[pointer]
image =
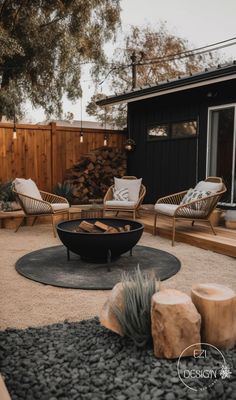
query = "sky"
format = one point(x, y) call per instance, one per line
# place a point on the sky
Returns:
point(201, 22)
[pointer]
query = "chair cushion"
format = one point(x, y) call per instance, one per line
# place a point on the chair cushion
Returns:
point(167, 209)
point(121, 194)
point(27, 187)
point(193, 194)
point(120, 203)
point(209, 186)
point(59, 206)
point(133, 186)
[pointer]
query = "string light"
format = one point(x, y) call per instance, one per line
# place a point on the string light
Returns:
point(105, 140)
point(14, 133)
point(81, 136)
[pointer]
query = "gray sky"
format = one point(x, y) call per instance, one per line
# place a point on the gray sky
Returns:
point(201, 22)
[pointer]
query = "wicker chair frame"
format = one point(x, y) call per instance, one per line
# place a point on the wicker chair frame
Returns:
point(41, 208)
point(133, 209)
point(188, 211)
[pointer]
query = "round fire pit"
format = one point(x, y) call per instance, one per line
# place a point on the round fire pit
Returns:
point(99, 246)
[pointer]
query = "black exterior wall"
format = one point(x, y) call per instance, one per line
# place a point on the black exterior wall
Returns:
point(171, 165)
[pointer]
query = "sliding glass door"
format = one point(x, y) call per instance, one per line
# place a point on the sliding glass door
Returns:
point(221, 148)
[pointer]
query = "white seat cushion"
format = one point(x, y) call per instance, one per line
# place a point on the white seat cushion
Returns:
point(133, 186)
point(209, 186)
point(168, 209)
point(27, 187)
point(59, 206)
point(120, 203)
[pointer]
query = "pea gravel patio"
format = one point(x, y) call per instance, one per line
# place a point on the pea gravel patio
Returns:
point(26, 303)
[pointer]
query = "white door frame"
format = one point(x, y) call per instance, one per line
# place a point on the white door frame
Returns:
point(210, 109)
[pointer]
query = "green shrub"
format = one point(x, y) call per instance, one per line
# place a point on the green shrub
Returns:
point(64, 189)
point(6, 196)
point(135, 317)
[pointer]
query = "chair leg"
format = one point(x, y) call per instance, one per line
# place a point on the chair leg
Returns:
point(154, 225)
point(53, 226)
point(34, 220)
point(213, 230)
point(117, 212)
point(20, 224)
point(193, 223)
point(134, 214)
point(173, 232)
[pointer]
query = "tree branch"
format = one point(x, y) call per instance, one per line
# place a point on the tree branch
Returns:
point(52, 22)
point(3, 5)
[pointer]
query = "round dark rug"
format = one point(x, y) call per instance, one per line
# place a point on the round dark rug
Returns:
point(50, 266)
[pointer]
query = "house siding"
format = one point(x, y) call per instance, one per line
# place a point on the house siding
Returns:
point(172, 165)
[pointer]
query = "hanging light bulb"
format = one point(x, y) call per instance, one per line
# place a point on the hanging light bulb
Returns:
point(105, 141)
point(81, 136)
point(14, 133)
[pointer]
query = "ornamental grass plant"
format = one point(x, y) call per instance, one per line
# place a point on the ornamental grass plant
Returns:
point(135, 315)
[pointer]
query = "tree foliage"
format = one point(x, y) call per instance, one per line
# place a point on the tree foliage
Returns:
point(148, 44)
point(42, 46)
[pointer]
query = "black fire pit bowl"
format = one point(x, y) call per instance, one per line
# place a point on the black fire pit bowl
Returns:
point(97, 247)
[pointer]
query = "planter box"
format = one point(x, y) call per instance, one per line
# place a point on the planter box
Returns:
point(215, 217)
point(230, 224)
point(230, 219)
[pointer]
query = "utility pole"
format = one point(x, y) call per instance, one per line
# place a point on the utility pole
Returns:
point(134, 69)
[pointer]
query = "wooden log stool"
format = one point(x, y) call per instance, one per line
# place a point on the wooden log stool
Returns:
point(217, 306)
point(175, 324)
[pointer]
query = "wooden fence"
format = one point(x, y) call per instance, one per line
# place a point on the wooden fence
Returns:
point(44, 152)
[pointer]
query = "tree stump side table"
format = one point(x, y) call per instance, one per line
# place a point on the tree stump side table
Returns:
point(217, 306)
point(86, 211)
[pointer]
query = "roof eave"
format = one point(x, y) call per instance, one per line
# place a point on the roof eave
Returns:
point(206, 78)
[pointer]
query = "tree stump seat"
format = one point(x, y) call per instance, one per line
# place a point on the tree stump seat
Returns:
point(217, 306)
point(175, 324)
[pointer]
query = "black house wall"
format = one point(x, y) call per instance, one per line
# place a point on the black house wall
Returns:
point(171, 165)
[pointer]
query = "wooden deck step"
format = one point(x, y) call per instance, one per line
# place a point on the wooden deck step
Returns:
point(199, 235)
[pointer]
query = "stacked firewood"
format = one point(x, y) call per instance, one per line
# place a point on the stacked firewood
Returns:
point(100, 227)
point(94, 174)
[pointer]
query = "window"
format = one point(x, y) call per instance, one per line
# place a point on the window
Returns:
point(158, 131)
point(172, 130)
point(183, 129)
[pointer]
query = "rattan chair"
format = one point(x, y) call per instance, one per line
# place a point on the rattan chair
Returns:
point(132, 209)
point(197, 210)
point(33, 207)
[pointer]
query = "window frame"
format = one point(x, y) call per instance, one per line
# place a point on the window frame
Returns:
point(169, 126)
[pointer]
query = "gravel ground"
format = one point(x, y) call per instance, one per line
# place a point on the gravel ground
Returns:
point(83, 360)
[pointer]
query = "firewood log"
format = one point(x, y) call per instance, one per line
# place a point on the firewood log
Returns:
point(86, 226)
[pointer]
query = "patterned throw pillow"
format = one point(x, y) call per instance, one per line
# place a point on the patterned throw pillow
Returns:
point(193, 194)
point(121, 194)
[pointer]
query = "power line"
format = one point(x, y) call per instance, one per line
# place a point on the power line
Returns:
point(176, 56)
point(190, 53)
point(198, 48)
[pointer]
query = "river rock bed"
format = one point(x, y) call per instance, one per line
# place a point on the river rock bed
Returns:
point(83, 361)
